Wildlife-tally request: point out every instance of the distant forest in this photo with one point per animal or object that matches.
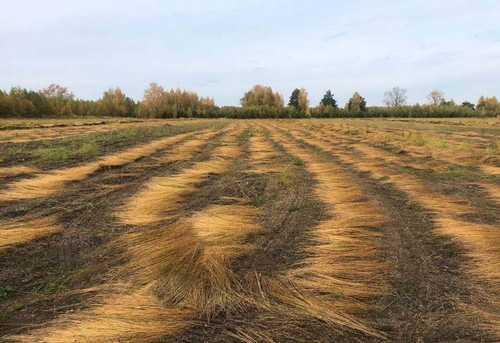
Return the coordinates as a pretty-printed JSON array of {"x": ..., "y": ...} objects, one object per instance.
[{"x": 259, "y": 102}]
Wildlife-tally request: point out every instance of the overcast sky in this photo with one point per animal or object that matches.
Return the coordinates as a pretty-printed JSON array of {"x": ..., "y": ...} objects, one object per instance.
[{"x": 222, "y": 48}]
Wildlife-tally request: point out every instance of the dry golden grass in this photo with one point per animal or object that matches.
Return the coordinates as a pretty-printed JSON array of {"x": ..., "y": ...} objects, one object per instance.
[
  {"x": 164, "y": 195},
  {"x": 375, "y": 162},
  {"x": 133, "y": 154},
  {"x": 480, "y": 241},
  {"x": 252, "y": 335},
  {"x": 172, "y": 273},
  {"x": 262, "y": 155},
  {"x": 493, "y": 191},
  {"x": 181, "y": 270},
  {"x": 342, "y": 271},
  {"x": 44, "y": 185},
  {"x": 24, "y": 123},
  {"x": 136, "y": 317},
  {"x": 284, "y": 311},
  {"x": 191, "y": 260},
  {"x": 16, "y": 171},
  {"x": 481, "y": 244},
  {"x": 48, "y": 184},
  {"x": 390, "y": 158},
  {"x": 450, "y": 148},
  {"x": 175, "y": 274},
  {"x": 20, "y": 232},
  {"x": 490, "y": 170},
  {"x": 186, "y": 150},
  {"x": 51, "y": 133},
  {"x": 385, "y": 156}
]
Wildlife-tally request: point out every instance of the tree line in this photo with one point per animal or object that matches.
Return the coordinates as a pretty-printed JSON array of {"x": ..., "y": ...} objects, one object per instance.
[
  {"x": 263, "y": 102},
  {"x": 58, "y": 101},
  {"x": 258, "y": 102}
]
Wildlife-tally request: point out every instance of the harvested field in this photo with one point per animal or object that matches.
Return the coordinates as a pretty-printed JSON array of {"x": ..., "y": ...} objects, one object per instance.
[
  {"x": 21, "y": 123},
  {"x": 250, "y": 231},
  {"x": 25, "y": 131}
]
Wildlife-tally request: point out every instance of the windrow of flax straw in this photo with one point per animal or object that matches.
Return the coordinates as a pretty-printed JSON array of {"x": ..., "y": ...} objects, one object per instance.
[
  {"x": 188, "y": 149},
  {"x": 52, "y": 133},
  {"x": 190, "y": 262},
  {"x": 25, "y": 230},
  {"x": 492, "y": 190},
  {"x": 175, "y": 275},
  {"x": 479, "y": 240},
  {"x": 335, "y": 285},
  {"x": 365, "y": 148},
  {"x": 19, "y": 232},
  {"x": 16, "y": 171},
  {"x": 48, "y": 184},
  {"x": 164, "y": 195},
  {"x": 130, "y": 316},
  {"x": 468, "y": 156},
  {"x": 262, "y": 154},
  {"x": 343, "y": 269},
  {"x": 490, "y": 170}
]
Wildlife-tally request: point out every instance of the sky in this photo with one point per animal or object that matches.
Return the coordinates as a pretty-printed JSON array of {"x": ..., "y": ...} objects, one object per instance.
[{"x": 221, "y": 48}]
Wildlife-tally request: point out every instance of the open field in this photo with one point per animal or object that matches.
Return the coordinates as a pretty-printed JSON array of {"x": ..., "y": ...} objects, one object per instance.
[
  {"x": 331, "y": 230},
  {"x": 27, "y": 123},
  {"x": 23, "y": 130}
]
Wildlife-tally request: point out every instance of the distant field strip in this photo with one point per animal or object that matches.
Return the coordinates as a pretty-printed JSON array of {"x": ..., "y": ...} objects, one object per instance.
[
  {"x": 380, "y": 157},
  {"x": 50, "y": 183},
  {"x": 377, "y": 153},
  {"x": 29, "y": 135},
  {"x": 446, "y": 148},
  {"x": 476, "y": 238},
  {"x": 22, "y": 124}
]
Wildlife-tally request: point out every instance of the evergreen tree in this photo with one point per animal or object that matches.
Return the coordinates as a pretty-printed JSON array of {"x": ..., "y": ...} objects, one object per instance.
[
  {"x": 328, "y": 100},
  {"x": 294, "y": 99}
]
